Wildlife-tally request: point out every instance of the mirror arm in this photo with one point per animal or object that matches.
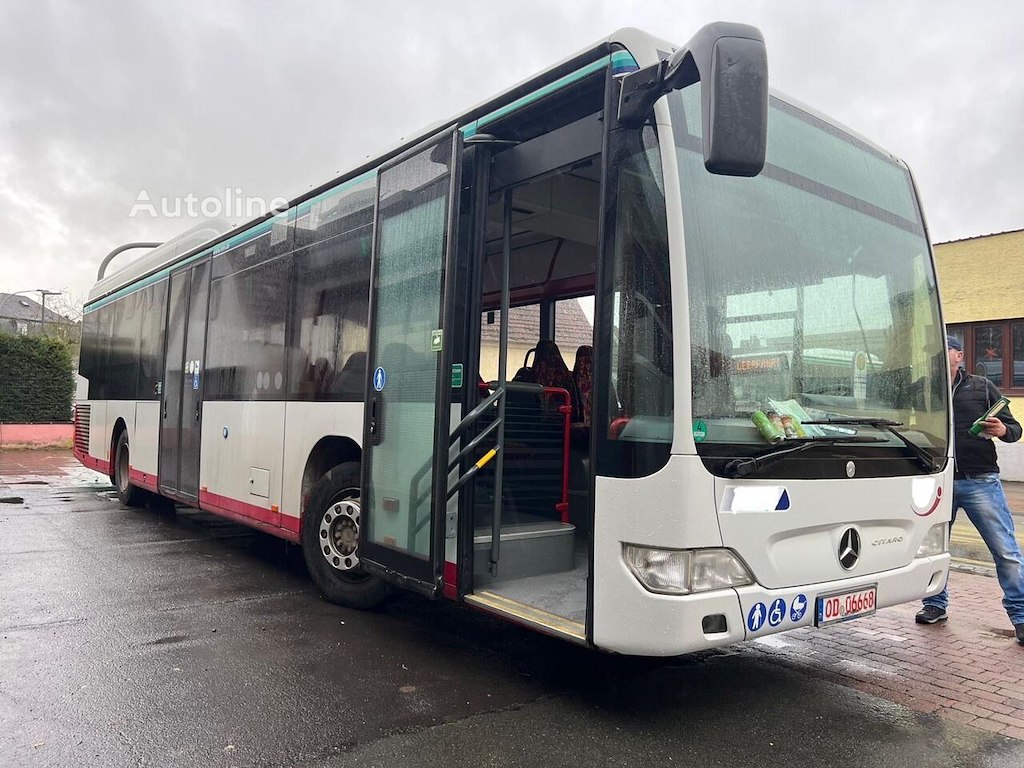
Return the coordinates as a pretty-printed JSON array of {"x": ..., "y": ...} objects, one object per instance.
[
  {"x": 642, "y": 88},
  {"x": 638, "y": 92}
]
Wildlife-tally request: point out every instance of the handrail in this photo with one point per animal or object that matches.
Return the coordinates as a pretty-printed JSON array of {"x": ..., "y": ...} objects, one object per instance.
[
  {"x": 470, "y": 418},
  {"x": 472, "y": 446},
  {"x": 415, "y": 496},
  {"x": 566, "y": 410},
  {"x": 121, "y": 249},
  {"x": 476, "y": 413}
]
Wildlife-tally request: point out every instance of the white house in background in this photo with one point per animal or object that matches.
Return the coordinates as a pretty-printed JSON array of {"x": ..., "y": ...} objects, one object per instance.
[
  {"x": 21, "y": 314},
  {"x": 572, "y": 330}
]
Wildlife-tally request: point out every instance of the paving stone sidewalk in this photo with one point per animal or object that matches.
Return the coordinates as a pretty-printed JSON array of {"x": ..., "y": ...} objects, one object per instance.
[{"x": 969, "y": 668}]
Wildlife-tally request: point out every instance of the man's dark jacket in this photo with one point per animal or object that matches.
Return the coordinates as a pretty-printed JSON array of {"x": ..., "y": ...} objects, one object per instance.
[{"x": 972, "y": 396}]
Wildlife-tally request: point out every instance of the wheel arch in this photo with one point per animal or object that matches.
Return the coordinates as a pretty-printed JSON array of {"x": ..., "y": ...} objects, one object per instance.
[
  {"x": 330, "y": 451},
  {"x": 120, "y": 425}
]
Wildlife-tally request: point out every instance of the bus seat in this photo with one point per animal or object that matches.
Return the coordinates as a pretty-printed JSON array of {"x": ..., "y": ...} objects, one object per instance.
[
  {"x": 583, "y": 378},
  {"x": 549, "y": 369},
  {"x": 351, "y": 380}
]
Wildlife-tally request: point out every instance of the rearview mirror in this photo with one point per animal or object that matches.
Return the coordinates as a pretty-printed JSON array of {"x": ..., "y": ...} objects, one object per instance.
[{"x": 731, "y": 63}]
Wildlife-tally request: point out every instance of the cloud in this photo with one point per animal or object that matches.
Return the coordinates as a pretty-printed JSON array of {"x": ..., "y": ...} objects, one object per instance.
[{"x": 101, "y": 101}]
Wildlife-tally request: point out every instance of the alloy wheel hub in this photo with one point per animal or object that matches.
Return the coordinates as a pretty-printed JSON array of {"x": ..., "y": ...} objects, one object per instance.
[{"x": 339, "y": 534}]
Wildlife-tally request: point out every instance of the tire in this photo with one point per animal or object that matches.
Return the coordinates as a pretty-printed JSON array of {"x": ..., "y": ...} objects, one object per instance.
[
  {"x": 330, "y": 530},
  {"x": 127, "y": 494}
]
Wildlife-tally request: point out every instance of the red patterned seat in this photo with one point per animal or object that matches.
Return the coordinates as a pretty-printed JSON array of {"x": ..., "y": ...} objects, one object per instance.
[
  {"x": 583, "y": 378},
  {"x": 550, "y": 370}
]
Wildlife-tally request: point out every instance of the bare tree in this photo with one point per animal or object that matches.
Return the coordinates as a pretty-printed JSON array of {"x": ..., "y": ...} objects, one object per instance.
[{"x": 69, "y": 305}]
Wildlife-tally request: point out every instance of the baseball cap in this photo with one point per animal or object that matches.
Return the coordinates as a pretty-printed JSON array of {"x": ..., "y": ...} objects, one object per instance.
[{"x": 952, "y": 342}]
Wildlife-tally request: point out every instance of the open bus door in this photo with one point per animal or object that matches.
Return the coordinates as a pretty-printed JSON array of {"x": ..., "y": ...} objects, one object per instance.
[{"x": 407, "y": 415}]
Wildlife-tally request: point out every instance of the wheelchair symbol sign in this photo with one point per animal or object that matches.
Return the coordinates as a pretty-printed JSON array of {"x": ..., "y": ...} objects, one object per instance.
[{"x": 777, "y": 612}]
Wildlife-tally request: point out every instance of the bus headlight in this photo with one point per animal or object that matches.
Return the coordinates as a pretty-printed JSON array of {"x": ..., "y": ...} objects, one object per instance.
[
  {"x": 934, "y": 542},
  {"x": 684, "y": 571}
]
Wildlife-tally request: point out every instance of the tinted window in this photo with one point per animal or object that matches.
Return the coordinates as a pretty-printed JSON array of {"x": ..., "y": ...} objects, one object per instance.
[
  {"x": 124, "y": 348},
  {"x": 87, "y": 357},
  {"x": 152, "y": 305},
  {"x": 99, "y": 382},
  {"x": 255, "y": 245},
  {"x": 335, "y": 212},
  {"x": 328, "y": 351},
  {"x": 246, "y": 342},
  {"x": 633, "y": 417}
]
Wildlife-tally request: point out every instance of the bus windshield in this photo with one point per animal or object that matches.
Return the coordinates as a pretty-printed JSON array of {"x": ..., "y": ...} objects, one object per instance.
[{"x": 811, "y": 289}]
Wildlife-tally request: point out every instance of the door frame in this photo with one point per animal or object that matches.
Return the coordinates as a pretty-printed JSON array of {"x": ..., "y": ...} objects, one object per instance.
[
  {"x": 172, "y": 486},
  {"x": 392, "y": 564}
]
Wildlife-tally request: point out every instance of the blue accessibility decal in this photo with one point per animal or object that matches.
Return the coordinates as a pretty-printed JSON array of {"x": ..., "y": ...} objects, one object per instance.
[
  {"x": 777, "y": 612},
  {"x": 755, "y": 619},
  {"x": 380, "y": 378},
  {"x": 798, "y": 608}
]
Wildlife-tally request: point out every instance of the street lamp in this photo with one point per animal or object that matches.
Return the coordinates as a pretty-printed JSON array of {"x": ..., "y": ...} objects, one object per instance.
[{"x": 43, "y": 293}]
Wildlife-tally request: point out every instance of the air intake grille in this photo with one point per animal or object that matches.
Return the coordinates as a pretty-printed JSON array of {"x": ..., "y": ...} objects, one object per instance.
[{"x": 82, "y": 427}]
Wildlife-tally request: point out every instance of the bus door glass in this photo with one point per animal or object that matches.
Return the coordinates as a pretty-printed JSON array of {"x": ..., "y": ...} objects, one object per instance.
[
  {"x": 182, "y": 386},
  {"x": 407, "y": 358}
]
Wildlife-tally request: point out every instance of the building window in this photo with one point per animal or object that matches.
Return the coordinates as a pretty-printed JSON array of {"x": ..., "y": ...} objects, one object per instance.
[{"x": 995, "y": 350}]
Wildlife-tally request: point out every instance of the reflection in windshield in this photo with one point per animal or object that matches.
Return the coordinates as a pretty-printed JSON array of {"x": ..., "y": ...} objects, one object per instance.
[{"x": 810, "y": 285}]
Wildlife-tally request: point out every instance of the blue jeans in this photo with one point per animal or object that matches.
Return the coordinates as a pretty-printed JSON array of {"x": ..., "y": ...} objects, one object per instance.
[{"x": 982, "y": 498}]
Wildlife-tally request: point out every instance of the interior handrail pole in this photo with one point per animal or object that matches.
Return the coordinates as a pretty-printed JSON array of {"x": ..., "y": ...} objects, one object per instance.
[{"x": 506, "y": 253}]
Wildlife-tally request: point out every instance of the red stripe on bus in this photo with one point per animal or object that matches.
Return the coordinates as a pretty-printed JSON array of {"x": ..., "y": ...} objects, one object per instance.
[
  {"x": 290, "y": 524},
  {"x": 250, "y": 514},
  {"x": 451, "y": 581},
  {"x": 142, "y": 479},
  {"x": 100, "y": 465}
]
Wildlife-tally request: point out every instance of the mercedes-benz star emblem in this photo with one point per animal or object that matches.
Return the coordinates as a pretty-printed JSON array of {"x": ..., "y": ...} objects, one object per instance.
[
  {"x": 849, "y": 549},
  {"x": 851, "y": 469}
]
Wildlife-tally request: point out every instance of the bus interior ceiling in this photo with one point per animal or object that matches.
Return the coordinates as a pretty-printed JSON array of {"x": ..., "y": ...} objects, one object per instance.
[{"x": 544, "y": 561}]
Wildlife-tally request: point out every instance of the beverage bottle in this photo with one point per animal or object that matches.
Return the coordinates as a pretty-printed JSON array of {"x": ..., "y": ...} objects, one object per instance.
[{"x": 766, "y": 427}]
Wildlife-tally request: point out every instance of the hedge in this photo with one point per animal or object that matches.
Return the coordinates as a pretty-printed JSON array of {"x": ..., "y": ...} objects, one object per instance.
[{"x": 36, "y": 380}]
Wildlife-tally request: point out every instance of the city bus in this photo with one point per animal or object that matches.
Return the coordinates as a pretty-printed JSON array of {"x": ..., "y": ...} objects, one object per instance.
[{"x": 338, "y": 373}]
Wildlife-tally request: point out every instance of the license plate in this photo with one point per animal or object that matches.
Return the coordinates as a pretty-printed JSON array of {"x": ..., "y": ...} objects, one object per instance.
[{"x": 845, "y": 605}]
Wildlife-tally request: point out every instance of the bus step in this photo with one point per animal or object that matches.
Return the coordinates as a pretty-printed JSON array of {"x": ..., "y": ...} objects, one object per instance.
[
  {"x": 527, "y": 549},
  {"x": 535, "y": 618}
]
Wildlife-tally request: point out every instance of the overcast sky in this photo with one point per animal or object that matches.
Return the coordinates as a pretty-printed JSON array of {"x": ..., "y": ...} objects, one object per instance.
[{"x": 103, "y": 102}]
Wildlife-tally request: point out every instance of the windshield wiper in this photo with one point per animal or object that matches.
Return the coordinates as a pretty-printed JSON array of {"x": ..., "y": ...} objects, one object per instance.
[
  {"x": 744, "y": 467},
  {"x": 886, "y": 425}
]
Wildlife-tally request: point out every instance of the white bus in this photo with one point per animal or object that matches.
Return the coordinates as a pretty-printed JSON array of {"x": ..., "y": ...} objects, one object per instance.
[{"x": 317, "y": 373}]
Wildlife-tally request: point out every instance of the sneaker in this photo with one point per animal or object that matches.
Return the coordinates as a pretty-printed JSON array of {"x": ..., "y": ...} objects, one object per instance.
[
  {"x": 1019, "y": 630},
  {"x": 931, "y": 614}
]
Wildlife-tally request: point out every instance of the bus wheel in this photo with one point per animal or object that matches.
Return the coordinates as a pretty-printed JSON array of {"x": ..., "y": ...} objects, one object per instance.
[
  {"x": 330, "y": 535},
  {"x": 127, "y": 493}
]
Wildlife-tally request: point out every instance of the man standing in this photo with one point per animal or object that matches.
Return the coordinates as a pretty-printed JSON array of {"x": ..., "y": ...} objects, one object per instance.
[{"x": 977, "y": 489}]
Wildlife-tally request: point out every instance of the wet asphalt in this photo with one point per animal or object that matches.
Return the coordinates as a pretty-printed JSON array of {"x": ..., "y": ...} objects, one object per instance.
[{"x": 174, "y": 638}]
